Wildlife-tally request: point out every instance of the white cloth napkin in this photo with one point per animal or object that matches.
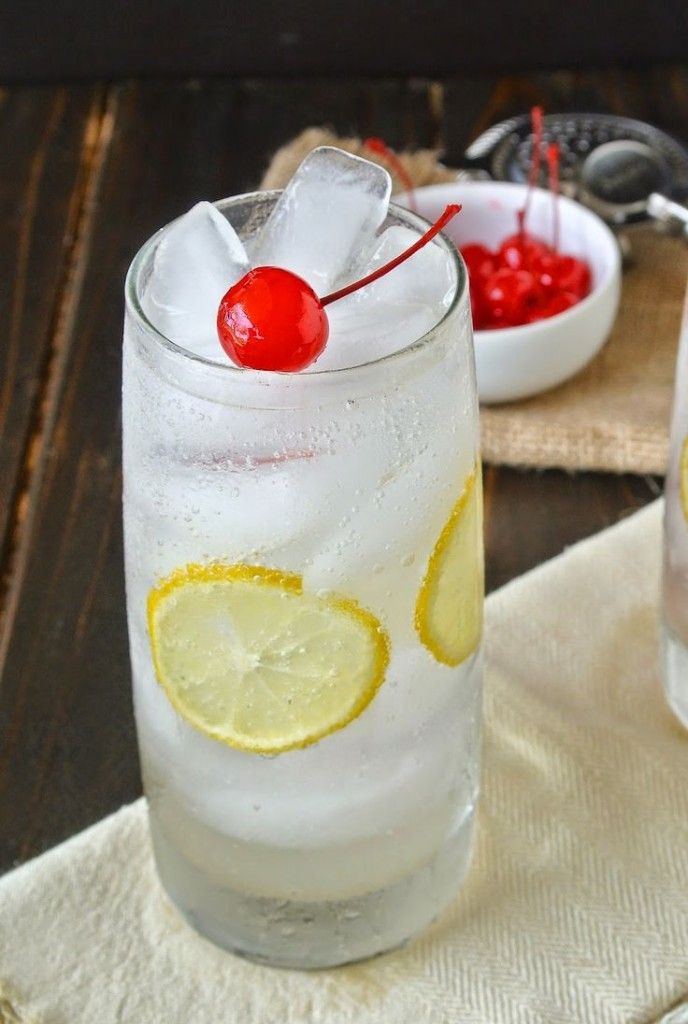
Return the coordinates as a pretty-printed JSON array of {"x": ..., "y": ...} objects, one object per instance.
[{"x": 576, "y": 906}]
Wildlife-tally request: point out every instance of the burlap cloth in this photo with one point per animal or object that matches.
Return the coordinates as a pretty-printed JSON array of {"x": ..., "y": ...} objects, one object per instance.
[
  {"x": 615, "y": 414},
  {"x": 575, "y": 910}
]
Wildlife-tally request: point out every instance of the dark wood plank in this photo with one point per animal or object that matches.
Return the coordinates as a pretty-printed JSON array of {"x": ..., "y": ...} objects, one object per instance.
[
  {"x": 68, "y": 753},
  {"x": 44, "y": 146},
  {"x": 474, "y": 103},
  {"x": 272, "y": 112},
  {"x": 666, "y": 90},
  {"x": 533, "y": 516},
  {"x": 469, "y": 105},
  {"x": 402, "y": 113}
]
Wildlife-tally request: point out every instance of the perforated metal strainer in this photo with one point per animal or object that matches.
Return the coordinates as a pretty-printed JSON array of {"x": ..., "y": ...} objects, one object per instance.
[{"x": 626, "y": 170}]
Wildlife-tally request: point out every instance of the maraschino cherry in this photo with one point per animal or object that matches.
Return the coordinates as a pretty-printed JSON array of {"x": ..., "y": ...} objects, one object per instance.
[
  {"x": 553, "y": 155},
  {"x": 526, "y": 279},
  {"x": 271, "y": 319}
]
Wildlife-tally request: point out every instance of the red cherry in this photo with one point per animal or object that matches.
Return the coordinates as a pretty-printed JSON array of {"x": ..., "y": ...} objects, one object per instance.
[
  {"x": 480, "y": 261},
  {"x": 520, "y": 251},
  {"x": 526, "y": 279},
  {"x": 498, "y": 323},
  {"x": 511, "y": 295},
  {"x": 272, "y": 320},
  {"x": 545, "y": 269},
  {"x": 479, "y": 311},
  {"x": 573, "y": 275},
  {"x": 493, "y": 319},
  {"x": 557, "y": 303}
]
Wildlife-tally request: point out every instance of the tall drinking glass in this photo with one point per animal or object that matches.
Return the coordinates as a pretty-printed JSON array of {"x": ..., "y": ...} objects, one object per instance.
[
  {"x": 304, "y": 590},
  {"x": 675, "y": 587}
]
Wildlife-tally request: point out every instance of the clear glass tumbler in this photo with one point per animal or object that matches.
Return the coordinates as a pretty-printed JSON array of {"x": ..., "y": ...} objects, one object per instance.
[
  {"x": 675, "y": 581},
  {"x": 291, "y": 541}
]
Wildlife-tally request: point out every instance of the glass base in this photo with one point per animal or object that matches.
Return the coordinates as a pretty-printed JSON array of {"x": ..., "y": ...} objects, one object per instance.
[
  {"x": 675, "y": 660},
  {"x": 310, "y": 935}
]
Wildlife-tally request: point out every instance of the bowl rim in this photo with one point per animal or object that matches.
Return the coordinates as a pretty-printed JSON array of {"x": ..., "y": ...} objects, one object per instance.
[{"x": 608, "y": 281}]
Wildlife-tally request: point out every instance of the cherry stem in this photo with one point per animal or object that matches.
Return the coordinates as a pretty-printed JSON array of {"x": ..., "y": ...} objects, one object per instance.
[
  {"x": 553, "y": 165},
  {"x": 534, "y": 172},
  {"x": 380, "y": 147},
  {"x": 450, "y": 211}
]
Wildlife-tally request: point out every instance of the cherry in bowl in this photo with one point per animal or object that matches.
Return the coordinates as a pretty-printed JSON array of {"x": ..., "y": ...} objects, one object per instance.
[{"x": 514, "y": 362}]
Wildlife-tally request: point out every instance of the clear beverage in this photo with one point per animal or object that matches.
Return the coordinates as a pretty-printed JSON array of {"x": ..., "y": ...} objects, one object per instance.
[
  {"x": 360, "y": 480},
  {"x": 675, "y": 584}
]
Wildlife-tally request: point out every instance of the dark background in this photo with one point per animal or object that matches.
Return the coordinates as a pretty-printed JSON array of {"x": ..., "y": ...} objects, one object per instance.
[{"x": 72, "y": 39}]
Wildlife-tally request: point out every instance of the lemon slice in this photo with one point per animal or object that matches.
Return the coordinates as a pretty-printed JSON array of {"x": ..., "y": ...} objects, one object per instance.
[
  {"x": 449, "y": 609},
  {"x": 683, "y": 485},
  {"x": 248, "y": 658}
]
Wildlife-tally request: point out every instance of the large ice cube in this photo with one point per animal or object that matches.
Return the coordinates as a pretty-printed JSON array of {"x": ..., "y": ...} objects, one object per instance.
[
  {"x": 327, "y": 214},
  {"x": 199, "y": 258},
  {"x": 395, "y": 310},
  {"x": 426, "y": 278}
]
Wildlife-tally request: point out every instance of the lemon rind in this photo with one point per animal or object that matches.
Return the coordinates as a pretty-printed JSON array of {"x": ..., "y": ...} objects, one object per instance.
[{"x": 422, "y": 618}]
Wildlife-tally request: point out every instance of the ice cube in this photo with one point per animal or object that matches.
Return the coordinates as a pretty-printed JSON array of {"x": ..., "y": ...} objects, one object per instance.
[
  {"x": 425, "y": 278},
  {"x": 394, "y": 311},
  {"x": 199, "y": 258},
  {"x": 328, "y": 212}
]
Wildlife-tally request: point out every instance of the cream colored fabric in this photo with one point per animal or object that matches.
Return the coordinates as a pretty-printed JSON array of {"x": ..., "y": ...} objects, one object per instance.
[
  {"x": 615, "y": 414},
  {"x": 576, "y": 906}
]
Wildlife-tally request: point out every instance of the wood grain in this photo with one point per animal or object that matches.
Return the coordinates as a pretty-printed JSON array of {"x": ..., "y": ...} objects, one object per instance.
[
  {"x": 43, "y": 154},
  {"x": 534, "y": 516},
  {"x": 100, "y": 171},
  {"x": 68, "y": 749}
]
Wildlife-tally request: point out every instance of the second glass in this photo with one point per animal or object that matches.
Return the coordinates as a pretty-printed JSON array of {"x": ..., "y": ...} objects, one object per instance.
[
  {"x": 675, "y": 581},
  {"x": 344, "y": 509}
]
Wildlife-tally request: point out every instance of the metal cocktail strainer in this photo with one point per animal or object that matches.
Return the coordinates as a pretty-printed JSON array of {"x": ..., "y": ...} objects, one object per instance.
[{"x": 625, "y": 170}]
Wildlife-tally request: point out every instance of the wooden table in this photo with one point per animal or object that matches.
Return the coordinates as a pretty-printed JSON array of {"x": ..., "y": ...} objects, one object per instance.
[{"x": 88, "y": 173}]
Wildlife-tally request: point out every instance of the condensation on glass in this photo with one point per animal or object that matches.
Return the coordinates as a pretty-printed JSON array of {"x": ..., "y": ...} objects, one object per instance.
[{"x": 345, "y": 848}]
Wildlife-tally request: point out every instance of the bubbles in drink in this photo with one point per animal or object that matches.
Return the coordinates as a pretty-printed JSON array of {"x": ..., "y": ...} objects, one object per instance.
[{"x": 356, "y": 840}]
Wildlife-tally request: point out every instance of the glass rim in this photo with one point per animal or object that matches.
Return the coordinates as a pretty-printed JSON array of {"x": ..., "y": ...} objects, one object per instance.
[{"x": 235, "y": 373}]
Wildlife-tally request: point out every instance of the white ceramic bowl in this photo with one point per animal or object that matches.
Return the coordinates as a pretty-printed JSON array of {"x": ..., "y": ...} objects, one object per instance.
[{"x": 517, "y": 362}]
